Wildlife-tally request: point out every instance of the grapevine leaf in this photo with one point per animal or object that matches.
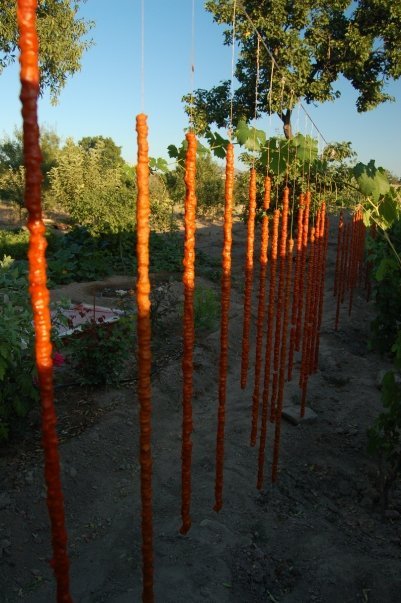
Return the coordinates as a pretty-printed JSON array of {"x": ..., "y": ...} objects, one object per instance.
[
  {"x": 372, "y": 181},
  {"x": 389, "y": 209},
  {"x": 172, "y": 151},
  {"x": 217, "y": 143},
  {"x": 366, "y": 217},
  {"x": 305, "y": 148},
  {"x": 386, "y": 265},
  {"x": 249, "y": 137},
  {"x": 201, "y": 149},
  {"x": 158, "y": 164}
]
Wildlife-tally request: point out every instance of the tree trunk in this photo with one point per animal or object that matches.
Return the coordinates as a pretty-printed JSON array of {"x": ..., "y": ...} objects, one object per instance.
[{"x": 286, "y": 119}]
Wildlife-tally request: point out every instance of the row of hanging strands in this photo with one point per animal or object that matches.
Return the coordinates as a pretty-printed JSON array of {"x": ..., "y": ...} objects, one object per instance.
[
  {"x": 277, "y": 316},
  {"x": 351, "y": 269},
  {"x": 29, "y": 75},
  {"x": 314, "y": 297},
  {"x": 285, "y": 314}
]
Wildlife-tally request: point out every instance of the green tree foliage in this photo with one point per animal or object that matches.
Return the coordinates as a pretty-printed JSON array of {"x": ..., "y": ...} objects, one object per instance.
[
  {"x": 209, "y": 181},
  {"x": 111, "y": 153},
  {"x": 62, "y": 40},
  {"x": 12, "y": 174},
  {"x": 17, "y": 391},
  {"x": 99, "y": 198},
  {"x": 384, "y": 437},
  {"x": 313, "y": 42}
]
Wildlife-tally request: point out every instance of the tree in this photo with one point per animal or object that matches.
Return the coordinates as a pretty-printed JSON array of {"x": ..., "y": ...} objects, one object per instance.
[
  {"x": 12, "y": 187},
  {"x": 12, "y": 173},
  {"x": 62, "y": 40},
  {"x": 101, "y": 199},
  {"x": 209, "y": 181},
  {"x": 111, "y": 153},
  {"x": 313, "y": 43}
]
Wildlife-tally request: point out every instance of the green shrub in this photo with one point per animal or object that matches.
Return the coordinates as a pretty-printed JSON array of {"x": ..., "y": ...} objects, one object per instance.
[
  {"x": 384, "y": 437},
  {"x": 387, "y": 288},
  {"x": 206, "y": 309},
  {"x": 17, "y": 367},
  {"x": 99, "y": 352}
]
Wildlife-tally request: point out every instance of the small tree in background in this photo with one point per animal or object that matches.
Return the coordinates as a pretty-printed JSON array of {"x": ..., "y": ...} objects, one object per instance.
[{"x": 100, "y": 198}]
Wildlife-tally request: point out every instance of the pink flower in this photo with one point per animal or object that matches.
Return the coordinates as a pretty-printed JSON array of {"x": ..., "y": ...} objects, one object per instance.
[{"x": 58, "y": 359}]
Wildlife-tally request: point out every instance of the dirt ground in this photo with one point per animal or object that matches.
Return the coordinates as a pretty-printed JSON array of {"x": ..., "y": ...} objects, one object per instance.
[{"x": 315, "y": 536}]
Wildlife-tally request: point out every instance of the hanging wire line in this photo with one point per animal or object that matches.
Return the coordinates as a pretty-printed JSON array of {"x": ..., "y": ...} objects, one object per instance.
[
  {"x": 256, "y": 90},
  {"x": 269, "y": 128},
  {"x": 192, "y": 65},
  {"x": 276, "y": 64},
  {"x": 279, "y": 142},
  {"x": 143, "y": 56},
  {"x": 230, "y": 126},
  {"x": 288, "y": 148},
  {"x": 293, "y": 188},
  {"x": 314, "y": 197}
]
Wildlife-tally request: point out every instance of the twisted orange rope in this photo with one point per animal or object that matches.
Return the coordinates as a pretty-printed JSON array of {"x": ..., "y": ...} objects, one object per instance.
[
  {"x": 264, "y": 242},
  {"x": 269, "y": 340},
  {"x": 144, "y": 353},
  {"x": 225, "y": 307},
  {"x": 248, "y": 278},
  {"x": 283, "y": 354},
  {"x": 297, "y": 285},
  {"x": 280, "y": 301},
  {"x": 29, "y": 75},
  {"x": 189, "y": 333},
  {"x": 305, "y": 230}
]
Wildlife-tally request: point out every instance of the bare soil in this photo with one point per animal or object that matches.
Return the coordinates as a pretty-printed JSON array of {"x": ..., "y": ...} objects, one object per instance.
[{"x": 315, "y": 536}]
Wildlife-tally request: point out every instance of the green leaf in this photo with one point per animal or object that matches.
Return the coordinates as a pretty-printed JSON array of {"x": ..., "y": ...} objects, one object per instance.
[
  {"x": 389, "y": 209},
  {"x": 305, "y": 148},
  {"x": 158, "y": 164},
  {"x": 249, "y": 137},
  {"x": 172, "y": 151},
  {"x": 386, "y": 265},
  {"x": 366, "y": 217},
  {"x": 372, "y": 181},
  {"x": 218, "y": 144}
]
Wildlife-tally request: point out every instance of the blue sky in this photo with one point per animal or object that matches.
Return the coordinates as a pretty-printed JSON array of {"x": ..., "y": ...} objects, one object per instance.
[{"x": 105, "y": 96}]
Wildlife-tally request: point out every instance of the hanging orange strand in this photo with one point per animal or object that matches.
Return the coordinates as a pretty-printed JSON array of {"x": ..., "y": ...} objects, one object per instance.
[
  {"x": 322, "y": 285},
  {"x": 320, "y": 223},
  {"x": 280, "y": 301},
  {"x": 342, "y": 273},
  {"x": 29, "y": 75},
  {"x": 297, "y": 285},
  {"x": 144, "y": 352},
  {"x": 225, "y": 307},
  {"x": 269, "y": 341},
  {"x": 305, "y": 362},
  {"x": 248, "y": 278},
  {"x": 353, "y": 261},
  {"x": 338, "y": 255},
  {"x": 305, "y": 231},
  {"x": 264, "y": 242},
  {"x": 189, "y": 333},
  {"x": 283, "y": 355}
]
